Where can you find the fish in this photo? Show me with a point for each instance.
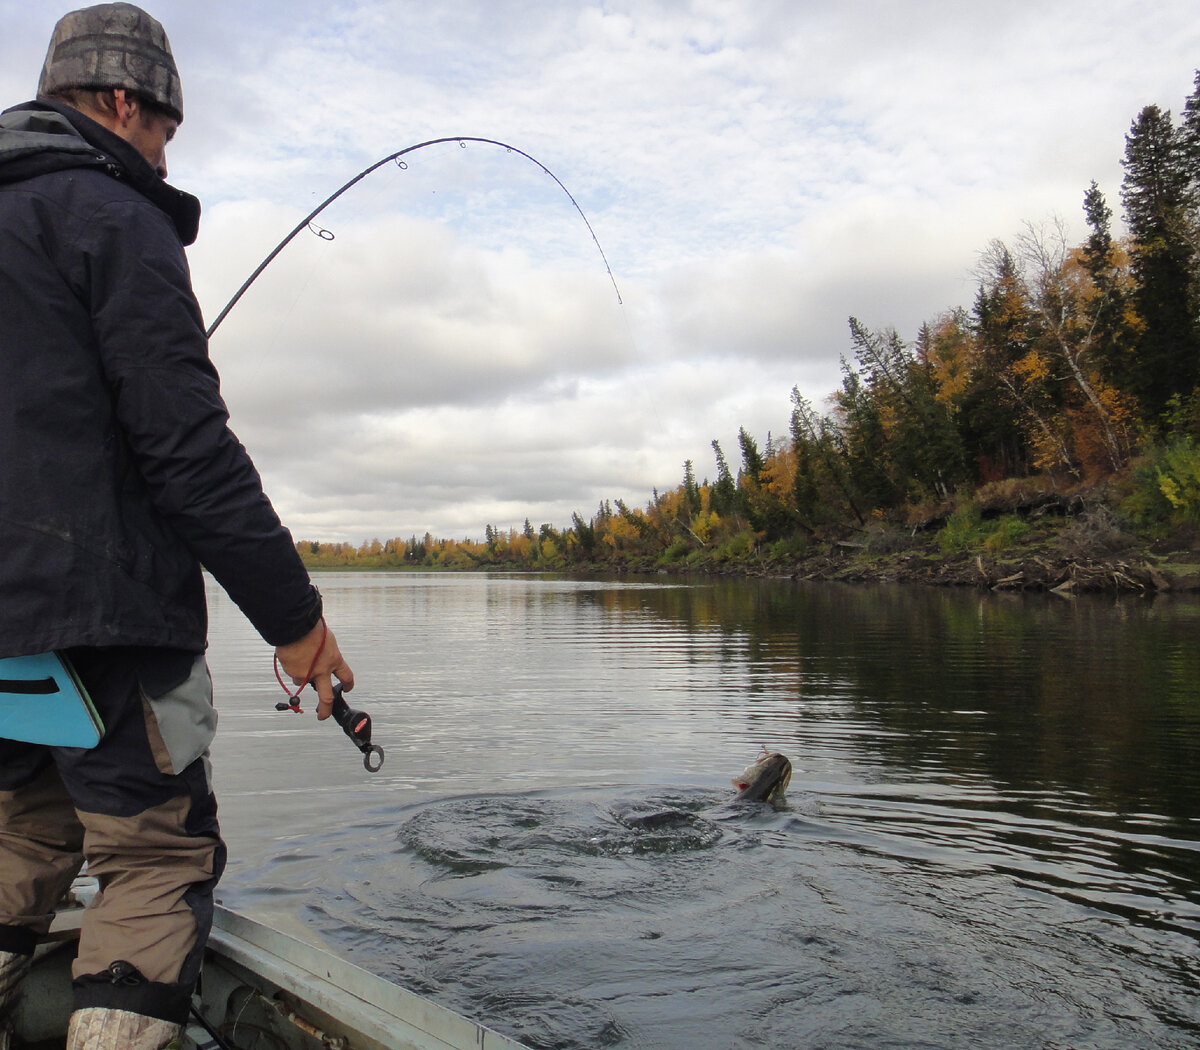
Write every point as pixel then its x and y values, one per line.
pixel 766 780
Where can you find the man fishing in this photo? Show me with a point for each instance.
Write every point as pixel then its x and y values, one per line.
pixel 119 479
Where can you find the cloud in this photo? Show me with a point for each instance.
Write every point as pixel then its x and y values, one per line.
pixel 401 313
pixel 755 173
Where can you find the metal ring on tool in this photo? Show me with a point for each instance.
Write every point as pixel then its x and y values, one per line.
pixel 373 749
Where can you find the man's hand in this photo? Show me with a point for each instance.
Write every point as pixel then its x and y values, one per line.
pixel 325 662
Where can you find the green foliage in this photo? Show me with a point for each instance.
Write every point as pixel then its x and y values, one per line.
pixel 961 531
pixel 820 484
pixel 738 546
pixel 677 552
pixel 585 534
pixel 1160 207
pixel 752 459
pixel 865 442
pixel 1007 532
pixel 965 530
pixel 1099 258
pixel 691 490
pixel 1167 486
pixel 724 492
pixel 900 440
pixel 794 546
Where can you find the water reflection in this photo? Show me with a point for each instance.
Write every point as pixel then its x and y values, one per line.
pixel 999 782
pixel 1089 697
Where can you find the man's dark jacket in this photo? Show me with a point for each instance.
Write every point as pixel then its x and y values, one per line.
pixel 119 475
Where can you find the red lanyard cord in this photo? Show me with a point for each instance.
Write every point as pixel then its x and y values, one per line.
pixel 294 698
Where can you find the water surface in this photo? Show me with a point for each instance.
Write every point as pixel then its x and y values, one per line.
pixel 992 835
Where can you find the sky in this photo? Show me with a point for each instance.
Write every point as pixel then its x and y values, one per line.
pixel 464 341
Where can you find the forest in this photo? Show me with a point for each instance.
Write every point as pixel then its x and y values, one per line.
pixel 1064 400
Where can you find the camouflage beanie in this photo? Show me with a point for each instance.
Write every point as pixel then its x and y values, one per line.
pixel 113 46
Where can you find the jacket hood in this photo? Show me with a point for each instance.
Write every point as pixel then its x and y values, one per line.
pixel 37 138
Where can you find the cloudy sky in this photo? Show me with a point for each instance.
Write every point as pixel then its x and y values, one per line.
pixel 755 172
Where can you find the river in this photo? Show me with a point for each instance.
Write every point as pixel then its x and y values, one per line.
pixel 991 837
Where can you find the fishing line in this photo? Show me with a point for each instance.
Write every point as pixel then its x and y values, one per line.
pixel 307 222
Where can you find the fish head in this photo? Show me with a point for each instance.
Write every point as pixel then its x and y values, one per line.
pixel 766 779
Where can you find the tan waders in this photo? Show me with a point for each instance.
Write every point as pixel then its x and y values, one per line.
pixel 13 967
pixel 140 808
pixel 99 1028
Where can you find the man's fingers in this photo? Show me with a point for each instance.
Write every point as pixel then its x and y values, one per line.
pixel 323 684
pixel 317 655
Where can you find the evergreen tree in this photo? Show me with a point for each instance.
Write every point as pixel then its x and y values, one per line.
pixel 865 442
pixel 585 534
pixel 924 450
pixel 805 493
pixel 724 491
pixel 1156 192
pixel 1189 134
pixel 1156 176
pixel 1099 257
pixel 821 487
pixel 691 491
pixel 764 507
pixel 935 443
pixel 752 459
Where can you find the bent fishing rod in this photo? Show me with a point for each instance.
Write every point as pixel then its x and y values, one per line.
pixel 357 724
pixel 462 140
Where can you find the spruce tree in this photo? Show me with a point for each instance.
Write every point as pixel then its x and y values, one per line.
pixel 866 449
pixel 1112 342
pixel 1189 134
pixel 691 490
pixel 724 491
pixel 752 459
pixel 1156 192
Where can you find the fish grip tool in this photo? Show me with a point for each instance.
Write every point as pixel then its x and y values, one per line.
pixel 355 724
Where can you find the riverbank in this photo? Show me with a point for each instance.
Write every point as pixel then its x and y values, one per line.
pixel 1039 541
pixel 1064 556
pixel 1036 568
pixel 1042 561
pixel 1025 537
pixel 1048 558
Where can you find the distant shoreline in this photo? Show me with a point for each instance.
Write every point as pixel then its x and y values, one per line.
pixel 1036 565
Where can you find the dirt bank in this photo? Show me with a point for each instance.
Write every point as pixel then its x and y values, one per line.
pixel 1051 557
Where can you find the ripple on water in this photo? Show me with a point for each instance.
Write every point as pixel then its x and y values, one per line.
pixel 667 918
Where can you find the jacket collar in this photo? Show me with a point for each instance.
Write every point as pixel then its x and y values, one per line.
pixel 37 137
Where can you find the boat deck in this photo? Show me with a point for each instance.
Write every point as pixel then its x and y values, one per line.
pixel 263 990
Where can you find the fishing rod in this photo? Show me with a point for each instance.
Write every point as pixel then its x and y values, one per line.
pixel 326 235
pixel 357 724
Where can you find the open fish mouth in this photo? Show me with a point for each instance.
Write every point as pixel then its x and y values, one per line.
pixel 765 780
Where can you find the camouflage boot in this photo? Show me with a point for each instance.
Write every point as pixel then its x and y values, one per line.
pixel 13 968
pixel 100 1028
